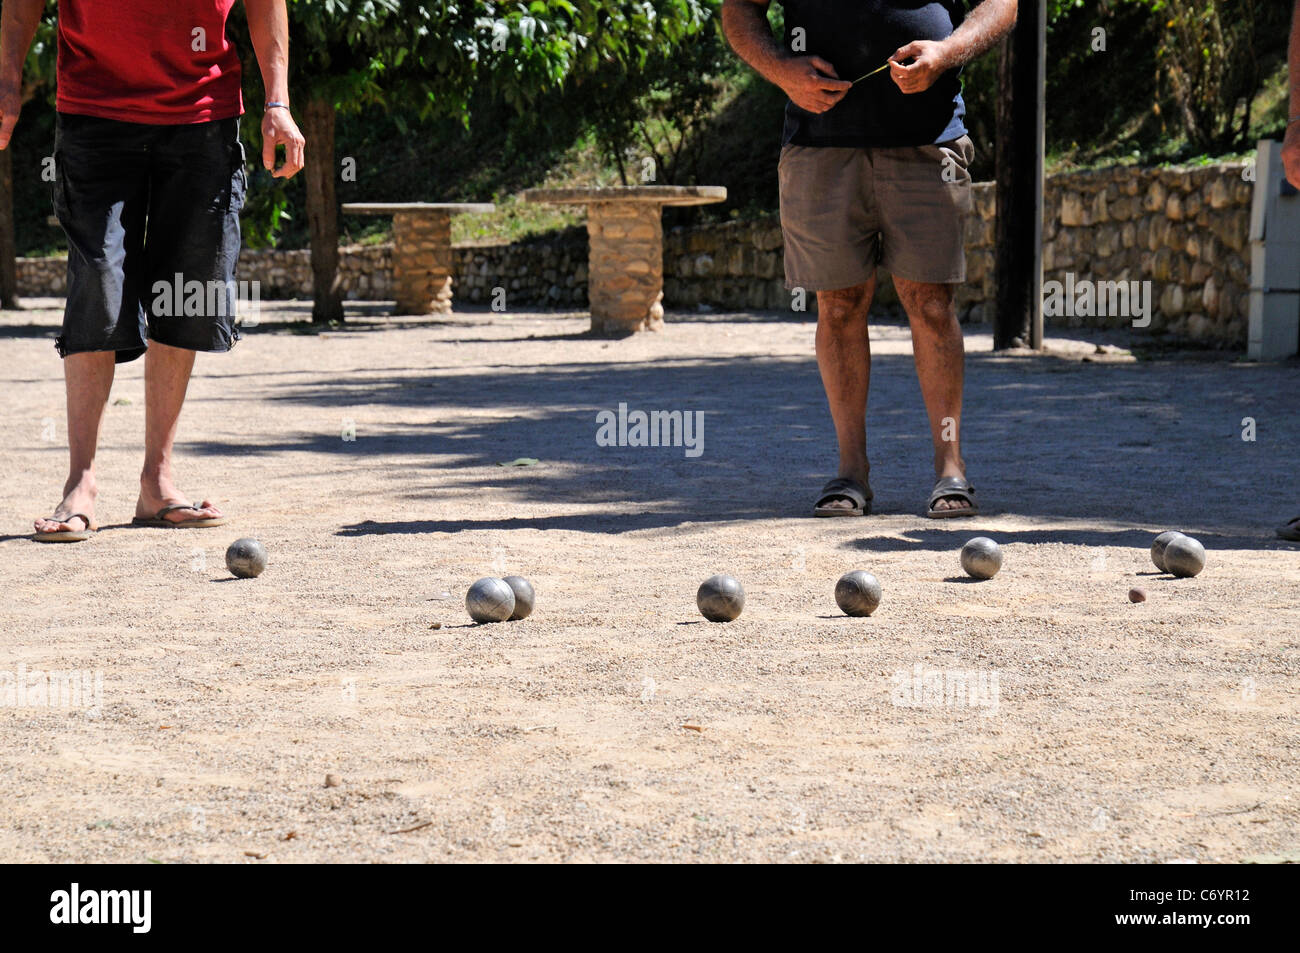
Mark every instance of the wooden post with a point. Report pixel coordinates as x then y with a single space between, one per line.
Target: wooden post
322 209
1018 263
8 253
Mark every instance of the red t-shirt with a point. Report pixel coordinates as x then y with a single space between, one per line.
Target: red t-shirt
160 62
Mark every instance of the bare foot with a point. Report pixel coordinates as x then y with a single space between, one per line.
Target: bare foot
843 502
951 502
159 491
78 497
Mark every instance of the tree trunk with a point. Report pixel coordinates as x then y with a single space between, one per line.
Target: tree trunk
8 249
1018 274
322 210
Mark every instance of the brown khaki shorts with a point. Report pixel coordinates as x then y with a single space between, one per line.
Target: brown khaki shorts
845 210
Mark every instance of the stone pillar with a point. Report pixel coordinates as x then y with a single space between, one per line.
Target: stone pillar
626 271
422 262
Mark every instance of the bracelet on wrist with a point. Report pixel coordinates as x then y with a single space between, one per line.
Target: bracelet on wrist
274 105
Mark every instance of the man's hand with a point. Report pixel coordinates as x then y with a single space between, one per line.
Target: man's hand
279 129
987 23
929 62
268 28
811 83
11 104
1291 154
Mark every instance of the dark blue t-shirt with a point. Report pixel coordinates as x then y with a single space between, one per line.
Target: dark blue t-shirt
856 36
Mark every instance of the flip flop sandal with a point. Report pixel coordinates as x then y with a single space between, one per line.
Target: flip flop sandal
1290 530
949 487
159 520
844 488
68 535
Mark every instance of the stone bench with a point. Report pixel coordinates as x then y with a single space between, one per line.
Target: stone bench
625 273
421 250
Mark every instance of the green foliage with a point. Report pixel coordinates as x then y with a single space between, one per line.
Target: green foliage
1178 78
653 118
438 55
38 70
1207 57
1096 97
431 111
430 60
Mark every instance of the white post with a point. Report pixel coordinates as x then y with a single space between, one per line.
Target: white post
1274 327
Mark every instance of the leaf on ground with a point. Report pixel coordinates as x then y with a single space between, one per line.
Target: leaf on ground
521 462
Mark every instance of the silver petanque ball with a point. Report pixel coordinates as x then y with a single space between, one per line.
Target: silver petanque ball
720 598
858 593
246 558
490 600
524 597
1158 548
1184 557
981 557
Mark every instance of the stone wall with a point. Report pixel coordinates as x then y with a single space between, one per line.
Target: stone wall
40 277
545 272
728 265
542 272
1184 229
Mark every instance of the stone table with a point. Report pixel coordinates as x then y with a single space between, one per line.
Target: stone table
625 283
421 250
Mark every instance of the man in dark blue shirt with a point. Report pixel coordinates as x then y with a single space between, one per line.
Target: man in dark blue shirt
873 171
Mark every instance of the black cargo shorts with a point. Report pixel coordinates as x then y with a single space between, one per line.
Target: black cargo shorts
152 219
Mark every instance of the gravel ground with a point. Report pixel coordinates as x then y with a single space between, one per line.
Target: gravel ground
1103 731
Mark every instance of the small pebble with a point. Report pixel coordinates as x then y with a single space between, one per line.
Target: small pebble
436 625
1137 595
332 780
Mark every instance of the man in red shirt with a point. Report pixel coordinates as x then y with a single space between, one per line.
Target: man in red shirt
149 183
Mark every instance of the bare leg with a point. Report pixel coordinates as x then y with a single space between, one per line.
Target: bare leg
166 378
88 378
844 358
940 356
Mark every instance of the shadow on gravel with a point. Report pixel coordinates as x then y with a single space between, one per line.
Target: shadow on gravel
955 537
1131 446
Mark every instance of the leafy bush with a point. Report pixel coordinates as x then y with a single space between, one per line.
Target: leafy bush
1208 59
